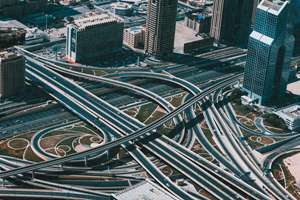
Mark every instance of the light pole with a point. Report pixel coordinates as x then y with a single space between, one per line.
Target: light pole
46 21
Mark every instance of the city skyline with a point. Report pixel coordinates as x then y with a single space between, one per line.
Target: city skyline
150 99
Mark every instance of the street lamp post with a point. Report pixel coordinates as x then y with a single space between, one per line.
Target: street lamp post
46 22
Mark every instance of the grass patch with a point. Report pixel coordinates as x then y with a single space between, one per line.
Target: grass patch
30 155
99 72
155 116
145 111
290 180
270 119
177 100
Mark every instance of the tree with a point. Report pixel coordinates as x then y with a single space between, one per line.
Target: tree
70 19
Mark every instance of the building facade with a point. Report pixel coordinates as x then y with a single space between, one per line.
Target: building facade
197 45
291 116
12 74
297 39
134 37
92 37
160 27
296 33
17 8
231 21
255 4
121 8
198 22
295 17
11 36
269 51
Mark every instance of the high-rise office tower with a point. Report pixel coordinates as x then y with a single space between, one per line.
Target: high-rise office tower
91 37
297 39
255 4
12 79
231 21
295 18
160 28
269 51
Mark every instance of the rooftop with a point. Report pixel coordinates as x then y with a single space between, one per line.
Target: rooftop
146 190
93 19
136 29
184 35
121 5
262 38
11 24
5 55
291 111
273 6
296 112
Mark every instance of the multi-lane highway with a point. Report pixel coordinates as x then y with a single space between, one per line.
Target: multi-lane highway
168 78
194 73
236 174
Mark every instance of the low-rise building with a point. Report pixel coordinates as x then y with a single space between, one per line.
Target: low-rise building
291 116
199 22
197 45
12 78
93 36
12 32
69 2
134 37
121 8
35 36
247 100
188 41
196 3
144 190
11 36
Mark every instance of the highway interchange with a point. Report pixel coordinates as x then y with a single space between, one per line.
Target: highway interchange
235 172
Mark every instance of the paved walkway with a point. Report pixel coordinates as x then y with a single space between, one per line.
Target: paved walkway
294 87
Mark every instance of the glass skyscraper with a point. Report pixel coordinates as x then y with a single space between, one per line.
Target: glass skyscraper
270 48
231 21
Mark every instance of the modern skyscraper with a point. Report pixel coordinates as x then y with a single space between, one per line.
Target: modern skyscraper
231 21
160 28
295 18
255 4
297 39
90 37
12 69
269 51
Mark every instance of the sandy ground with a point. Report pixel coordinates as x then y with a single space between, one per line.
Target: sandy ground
293 164
183 35
294 88
81 148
